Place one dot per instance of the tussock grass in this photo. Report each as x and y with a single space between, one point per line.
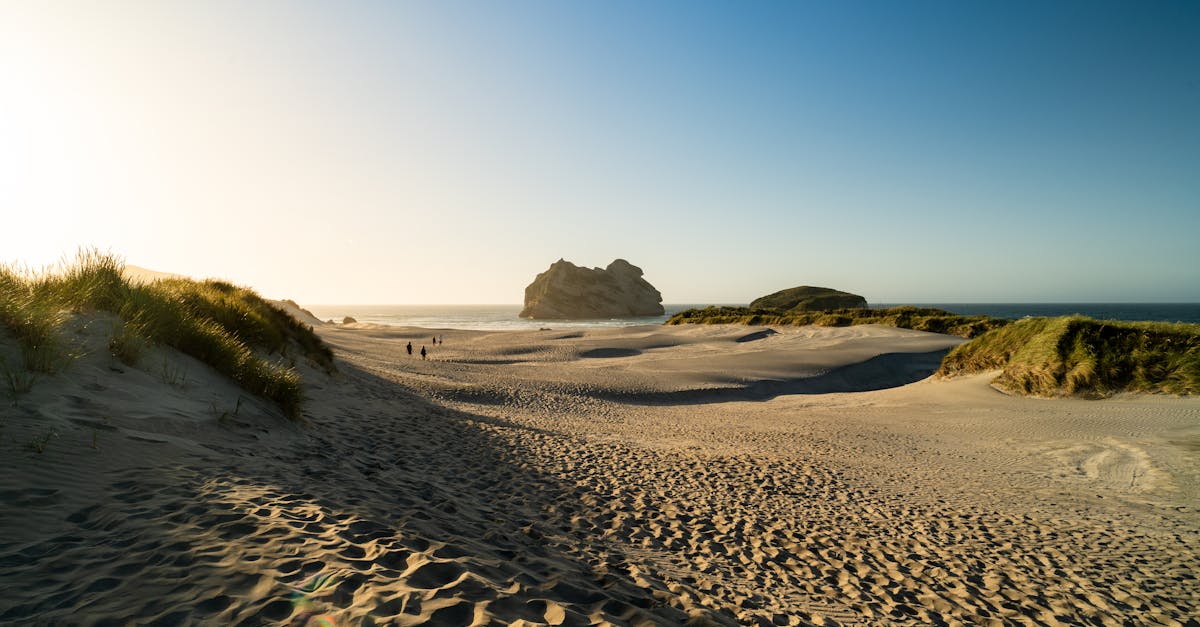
15 381
918 318
38 444
224 326
1075 355
127 343
32 320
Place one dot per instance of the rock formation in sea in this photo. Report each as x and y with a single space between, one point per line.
566 290
805 298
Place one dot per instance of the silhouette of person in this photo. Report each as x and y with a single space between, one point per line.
422 352
409 348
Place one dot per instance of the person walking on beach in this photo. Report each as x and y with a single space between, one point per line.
410 348
422 352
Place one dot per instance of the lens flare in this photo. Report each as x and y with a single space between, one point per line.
321 620
307 600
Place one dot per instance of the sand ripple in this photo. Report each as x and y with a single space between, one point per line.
539 502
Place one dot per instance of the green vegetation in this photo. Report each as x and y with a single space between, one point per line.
224 418
16 381
127 343
921 319
38 445
805 298
226 327
1085 357
1037 356
33 321
173 374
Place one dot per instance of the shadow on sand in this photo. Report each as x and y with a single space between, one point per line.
881 372
388 509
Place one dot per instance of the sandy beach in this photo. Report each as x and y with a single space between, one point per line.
705 475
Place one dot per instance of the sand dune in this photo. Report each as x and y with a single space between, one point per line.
591 477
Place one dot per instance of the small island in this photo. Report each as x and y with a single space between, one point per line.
806 298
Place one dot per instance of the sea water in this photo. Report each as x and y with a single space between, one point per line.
481 317
1154 312
505 317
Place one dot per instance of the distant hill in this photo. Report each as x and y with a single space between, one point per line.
806 298
136 274
298 312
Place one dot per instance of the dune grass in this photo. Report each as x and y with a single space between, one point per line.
918 318
1079 356
1071 355
224 326
33 320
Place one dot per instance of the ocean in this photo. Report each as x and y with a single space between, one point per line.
504 317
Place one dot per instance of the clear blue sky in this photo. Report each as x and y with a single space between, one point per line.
408 152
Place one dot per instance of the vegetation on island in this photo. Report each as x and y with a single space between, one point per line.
232 329
1080 356
918 318
807 298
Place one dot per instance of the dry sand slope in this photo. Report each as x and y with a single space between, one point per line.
653 475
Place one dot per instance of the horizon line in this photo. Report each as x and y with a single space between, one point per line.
946 301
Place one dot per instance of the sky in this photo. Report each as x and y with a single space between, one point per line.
447 152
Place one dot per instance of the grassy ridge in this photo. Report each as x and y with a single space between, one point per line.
1070 355
918 318
1085 357
222 325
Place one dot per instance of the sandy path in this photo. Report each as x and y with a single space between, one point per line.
563 478
936 501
